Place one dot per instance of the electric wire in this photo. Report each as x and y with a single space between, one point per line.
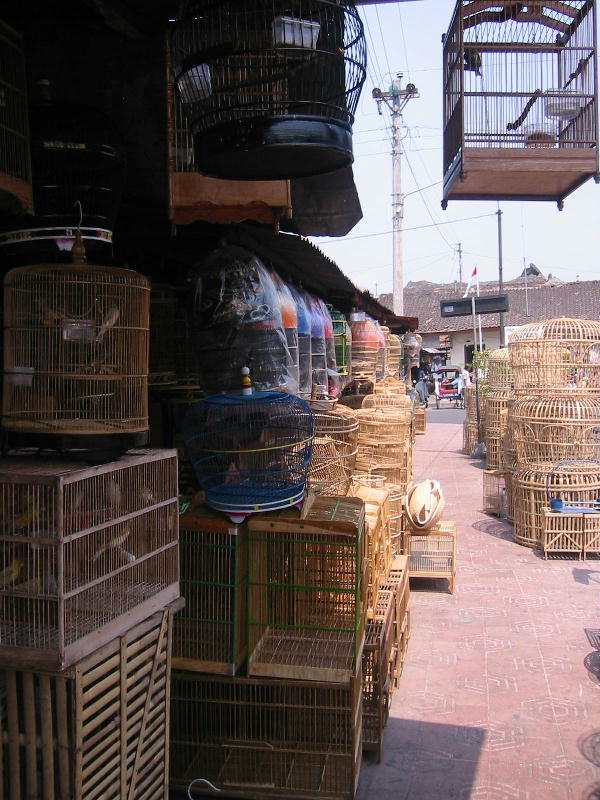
404 230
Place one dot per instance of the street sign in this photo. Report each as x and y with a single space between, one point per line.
462 307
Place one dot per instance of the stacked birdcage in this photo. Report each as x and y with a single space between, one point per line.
385 441
334 451
394 355
470 425
376 497
499 381
555 419
365 344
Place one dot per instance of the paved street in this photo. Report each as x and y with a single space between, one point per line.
495 702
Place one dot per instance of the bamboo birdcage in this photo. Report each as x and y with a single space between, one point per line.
493 492
209 634
532 489
547 430
391 401
85 552
306 593
76 357
376 664
334 451
574 533
394 358
258 738
98 729
520 100
389 385
499 371
556 356
269 88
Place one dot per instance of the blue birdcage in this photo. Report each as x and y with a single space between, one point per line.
250 453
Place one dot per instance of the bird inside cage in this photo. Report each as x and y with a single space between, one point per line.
472 59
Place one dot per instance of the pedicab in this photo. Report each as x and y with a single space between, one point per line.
448 386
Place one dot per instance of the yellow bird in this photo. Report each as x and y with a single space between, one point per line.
11 573
25 518
116 542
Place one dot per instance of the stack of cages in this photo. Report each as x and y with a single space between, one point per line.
334 451
382 350
554 421
281 713
498 398
470 425
365 344
432 551
90 567
394 356
385 438
375 495
342 335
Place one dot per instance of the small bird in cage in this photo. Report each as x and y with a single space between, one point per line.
110 319
116 543
11 574
472 59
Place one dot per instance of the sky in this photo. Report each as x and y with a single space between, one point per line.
406 37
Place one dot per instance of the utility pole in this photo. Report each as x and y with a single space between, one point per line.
500 278
459 262
396 99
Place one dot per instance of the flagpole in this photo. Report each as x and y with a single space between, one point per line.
480 334
475 368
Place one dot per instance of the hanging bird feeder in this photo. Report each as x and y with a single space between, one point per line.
269 93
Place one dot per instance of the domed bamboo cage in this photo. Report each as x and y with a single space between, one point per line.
382 352
383 425
384 443
499 375
76 357
392 401
495 424
547 430
557 356
269 87
340 424
532 490
389 385
394 355
331 466
363 363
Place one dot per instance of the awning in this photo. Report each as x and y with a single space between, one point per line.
433 351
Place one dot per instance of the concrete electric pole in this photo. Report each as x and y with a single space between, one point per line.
396 99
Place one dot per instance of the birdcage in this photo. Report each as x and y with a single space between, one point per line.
334 450
556 356
533 489
571 532
420 420
393 355
550 429
86 552
432 555
306 593
381 367
397 515
388 400
376 664
343 342
256 737
209 634
520 100
15 166
493 491
304 344
499 372
364 347
97 729
377 528
269 89
76 357
250 453
389 385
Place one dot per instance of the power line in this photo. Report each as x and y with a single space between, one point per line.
431 217
414 228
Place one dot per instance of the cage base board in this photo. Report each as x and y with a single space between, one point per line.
510 173
309 652
211 667
54 660
101 446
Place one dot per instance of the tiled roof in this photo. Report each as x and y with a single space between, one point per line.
545 300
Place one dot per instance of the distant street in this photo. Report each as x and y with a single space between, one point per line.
445 414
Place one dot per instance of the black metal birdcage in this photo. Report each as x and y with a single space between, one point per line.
520 99
269 87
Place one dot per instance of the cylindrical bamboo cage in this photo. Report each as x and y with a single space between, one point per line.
365 344
499 373
384 443
389 385
532 490
394 357
547 430
495 424
557 356
76 339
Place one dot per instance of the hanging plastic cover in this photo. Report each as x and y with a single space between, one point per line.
333 378
304 349
237 322
289 320
318 348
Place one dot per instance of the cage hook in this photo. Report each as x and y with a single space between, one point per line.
201 780
75 205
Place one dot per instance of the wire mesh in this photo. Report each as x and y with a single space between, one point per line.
210 632
306 596
15 166
75 350
250 453
81 548
62 737
253 736
556 356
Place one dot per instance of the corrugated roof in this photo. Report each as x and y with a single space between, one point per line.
545 300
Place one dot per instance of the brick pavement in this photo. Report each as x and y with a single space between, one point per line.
495 701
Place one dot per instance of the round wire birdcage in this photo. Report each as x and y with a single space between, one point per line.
250 453
551 429
499 370
76 357
557 356
269 88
